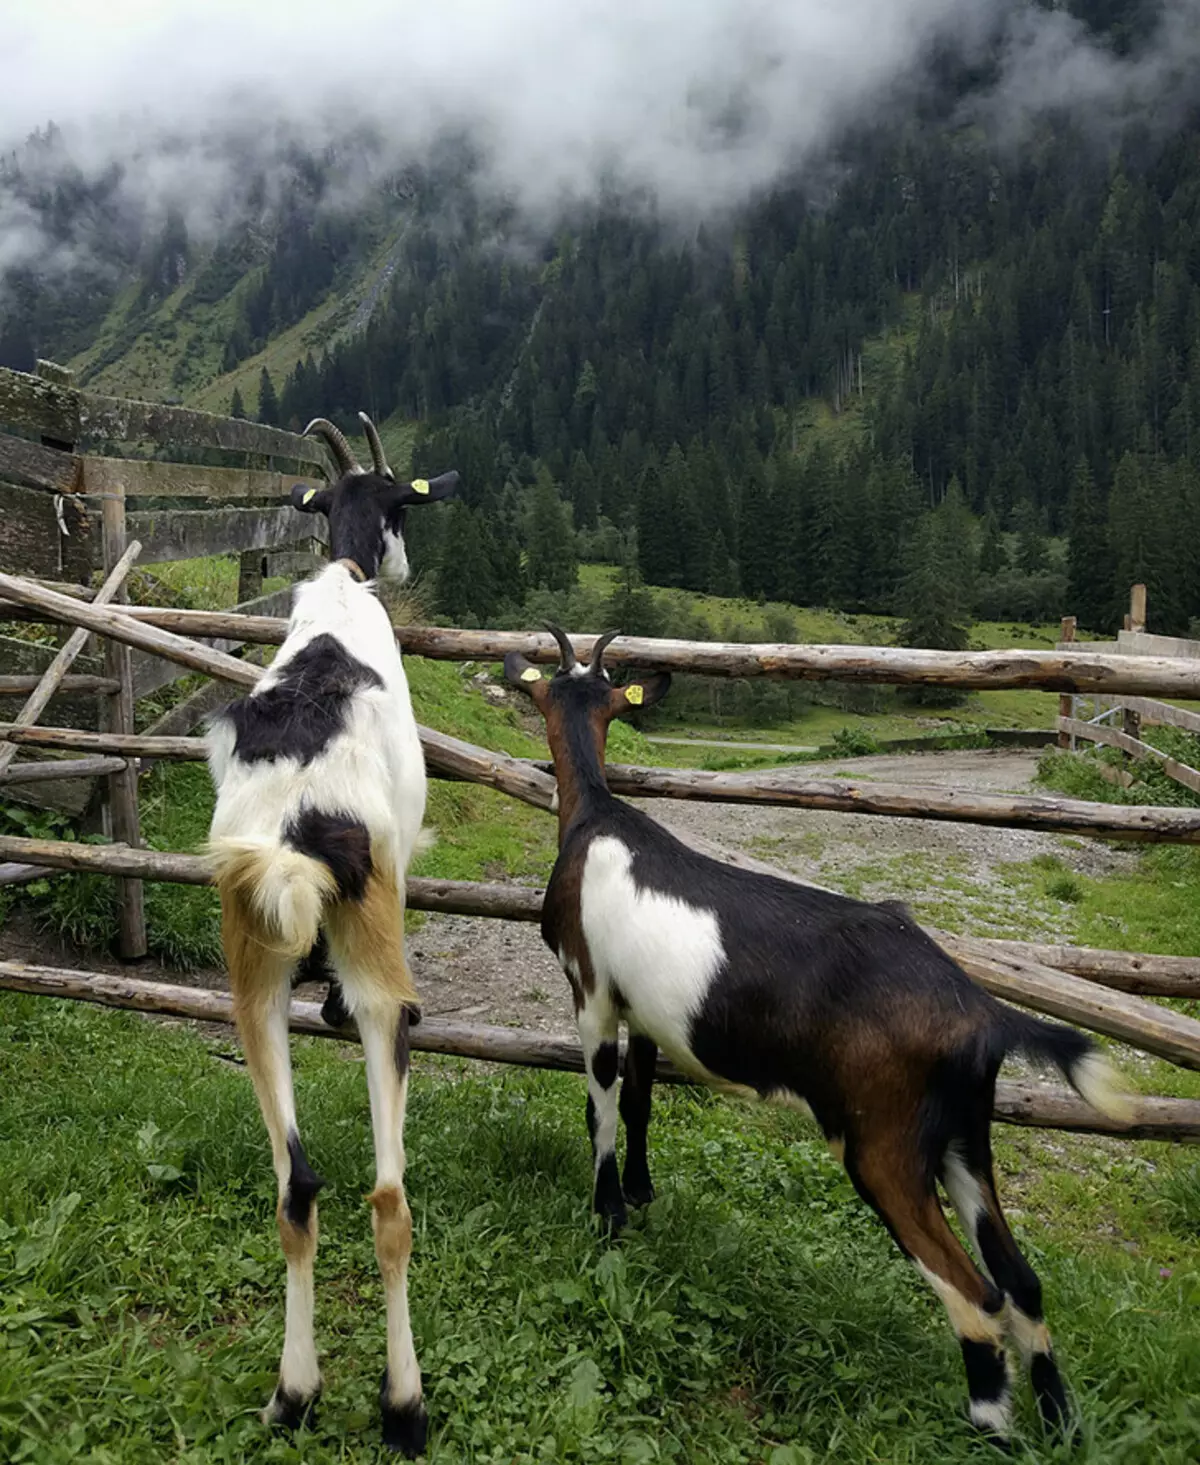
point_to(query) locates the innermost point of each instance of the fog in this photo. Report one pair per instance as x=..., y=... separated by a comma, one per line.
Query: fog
x=697, y=103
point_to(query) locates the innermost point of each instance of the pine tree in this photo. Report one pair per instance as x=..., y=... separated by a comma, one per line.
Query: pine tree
x=237, y=408
x=550, y=540
x=268, y=402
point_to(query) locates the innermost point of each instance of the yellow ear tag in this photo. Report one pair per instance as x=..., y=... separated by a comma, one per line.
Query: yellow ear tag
x=419, y=485
x=635, y=694
x=531, y=674
x=310, y=494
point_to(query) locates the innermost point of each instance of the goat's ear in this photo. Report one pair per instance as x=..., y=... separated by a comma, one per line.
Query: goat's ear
x=311, y=500
x=637, y=696
x=525, y=676
x=428, y=490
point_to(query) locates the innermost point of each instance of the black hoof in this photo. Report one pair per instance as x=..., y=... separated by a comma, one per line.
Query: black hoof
x=612, y=1218
x=638, y=1193
x=405, y=1426
x=334, y=1012
x=288, y=1411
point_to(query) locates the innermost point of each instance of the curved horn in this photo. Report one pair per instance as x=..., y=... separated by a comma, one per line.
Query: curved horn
x=599, y=649
x=343, y=454
x=566, y=650
x=377, y=453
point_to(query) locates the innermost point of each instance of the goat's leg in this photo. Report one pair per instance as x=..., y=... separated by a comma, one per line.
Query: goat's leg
x=384, y=1030
x=597, y=1020
x=888, y=1174
x=970, y=1183
x=636, y=1085
x=261, y=998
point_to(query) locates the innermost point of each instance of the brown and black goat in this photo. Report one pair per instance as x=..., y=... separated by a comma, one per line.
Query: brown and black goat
x=761, y=986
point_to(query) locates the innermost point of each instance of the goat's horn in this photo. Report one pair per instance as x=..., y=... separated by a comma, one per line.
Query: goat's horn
x=377, y=453
x=599, y=649
x=342, y=452
x=567, y=651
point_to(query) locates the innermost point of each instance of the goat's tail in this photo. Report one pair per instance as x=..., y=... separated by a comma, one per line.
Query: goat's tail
x=286, y=889
x=1076, y=1056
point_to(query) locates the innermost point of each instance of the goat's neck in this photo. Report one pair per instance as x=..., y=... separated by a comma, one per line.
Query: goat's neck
x=578, y=750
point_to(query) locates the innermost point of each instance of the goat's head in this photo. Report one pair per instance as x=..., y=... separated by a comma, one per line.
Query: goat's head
x=366, y=508
x=577, y=695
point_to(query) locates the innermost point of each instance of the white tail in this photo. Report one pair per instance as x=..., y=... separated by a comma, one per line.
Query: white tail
x=287, y=890
x=1096, y=1081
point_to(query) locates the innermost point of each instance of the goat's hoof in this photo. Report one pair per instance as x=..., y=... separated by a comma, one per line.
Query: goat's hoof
x=290, y=1411
x=405, y=1426
x=612, y=1218
x=638, y=1193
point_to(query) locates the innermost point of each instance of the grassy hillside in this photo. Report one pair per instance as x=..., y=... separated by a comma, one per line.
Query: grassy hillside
x=173, y=348
x=748, y=620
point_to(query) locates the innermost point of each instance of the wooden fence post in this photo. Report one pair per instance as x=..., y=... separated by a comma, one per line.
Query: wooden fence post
x=1131, y=721
x=122, y=787
x=1066, y=703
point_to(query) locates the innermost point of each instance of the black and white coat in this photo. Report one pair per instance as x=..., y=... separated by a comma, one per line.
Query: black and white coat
x=767, y=988
x=320, y=785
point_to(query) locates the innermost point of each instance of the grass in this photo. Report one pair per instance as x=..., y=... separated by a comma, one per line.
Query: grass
x=755, y=1313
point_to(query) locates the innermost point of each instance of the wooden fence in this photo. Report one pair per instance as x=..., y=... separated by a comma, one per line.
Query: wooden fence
x=1107, y=992
x=73, y=501
x=1132, y=712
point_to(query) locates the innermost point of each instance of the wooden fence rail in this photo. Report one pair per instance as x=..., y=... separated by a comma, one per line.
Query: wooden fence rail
x=1016, y=1103
x=1130, y=1019
x=1110, y=737
x=531, y=781
x=1050, y=671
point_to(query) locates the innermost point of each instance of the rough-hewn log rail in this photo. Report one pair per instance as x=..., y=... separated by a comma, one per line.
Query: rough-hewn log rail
x=60, y=768
x=1051, y=671
x=71, y=416
x=527, y=780
x=1131, y=1019
x=21, y=686
x=1126, y=971
x=1016, y=1103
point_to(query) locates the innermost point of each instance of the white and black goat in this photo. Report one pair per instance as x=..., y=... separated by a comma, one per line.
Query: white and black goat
x=320, y=785
x=761, y=986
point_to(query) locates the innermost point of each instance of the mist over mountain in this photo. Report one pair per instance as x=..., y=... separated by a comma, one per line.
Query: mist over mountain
x=806, y=301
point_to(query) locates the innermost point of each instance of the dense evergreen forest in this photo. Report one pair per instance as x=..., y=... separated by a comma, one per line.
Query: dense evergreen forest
x=954, y=380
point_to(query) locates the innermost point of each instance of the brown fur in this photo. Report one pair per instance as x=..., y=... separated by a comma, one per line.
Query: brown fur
x=368, y=935
x=392, y=1223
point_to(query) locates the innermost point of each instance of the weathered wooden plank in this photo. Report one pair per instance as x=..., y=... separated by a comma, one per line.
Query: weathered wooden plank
x=1096, y=732
x=1163, y=714
x=1142, y=643
x=57, y=410
x=296, y=564
x=1016, y=1103
x=37, y=405
x=188, y=534
x=32, y=537
x=117, y=420
x=26, y=660
x=150, y=478
x=36, y=466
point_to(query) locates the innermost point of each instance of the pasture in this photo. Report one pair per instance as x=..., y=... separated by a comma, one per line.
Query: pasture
x=754, y=1313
